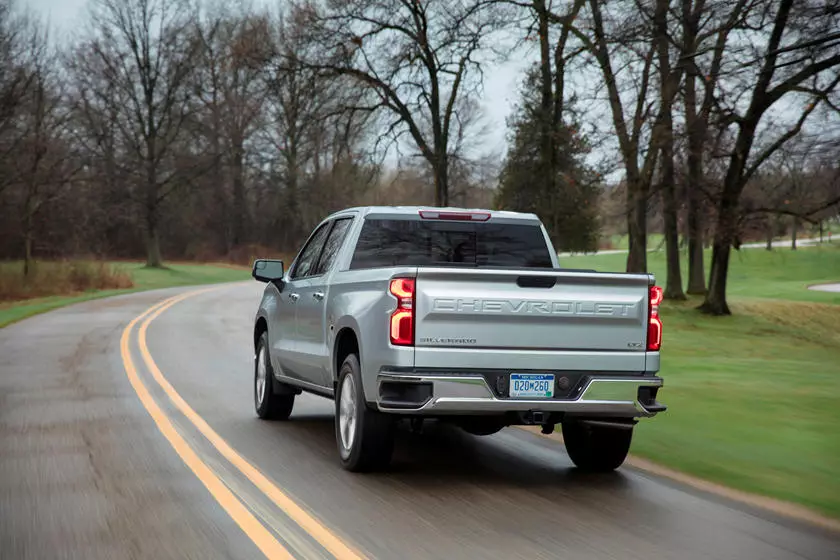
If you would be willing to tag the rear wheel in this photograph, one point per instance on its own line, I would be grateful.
(268, 402)
(365, 437)
(596, 448)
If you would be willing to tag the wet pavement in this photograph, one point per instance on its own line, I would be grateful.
(86, 473)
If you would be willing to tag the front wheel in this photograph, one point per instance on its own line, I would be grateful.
(365, 437)
(596, 448)
(269, 403)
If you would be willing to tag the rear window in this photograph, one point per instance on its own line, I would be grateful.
(385, 242)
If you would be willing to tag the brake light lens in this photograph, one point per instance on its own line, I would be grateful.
(402, 319)
(654, 335)
(458, 216)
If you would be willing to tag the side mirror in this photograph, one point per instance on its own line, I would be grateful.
(267, 270)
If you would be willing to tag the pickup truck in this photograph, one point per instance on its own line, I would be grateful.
(463, 316)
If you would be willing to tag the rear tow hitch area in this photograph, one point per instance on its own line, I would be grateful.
(546, 420)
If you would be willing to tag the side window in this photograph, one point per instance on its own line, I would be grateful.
(310, 252)
(332, 245)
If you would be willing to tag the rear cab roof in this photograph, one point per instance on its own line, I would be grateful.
(414, 212)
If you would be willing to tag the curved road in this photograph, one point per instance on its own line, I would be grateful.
(96, 462)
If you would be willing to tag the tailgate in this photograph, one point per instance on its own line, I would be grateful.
(510, 314)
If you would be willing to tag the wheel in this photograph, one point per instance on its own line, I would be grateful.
(365, 437)
(269, 404)
(596, 448)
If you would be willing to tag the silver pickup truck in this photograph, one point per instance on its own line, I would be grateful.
(464, 316)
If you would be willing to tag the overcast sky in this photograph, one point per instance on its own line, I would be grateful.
(500, 88)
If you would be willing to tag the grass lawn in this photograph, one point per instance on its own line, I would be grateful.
(753, 398)
(143, 279)
(757, 273)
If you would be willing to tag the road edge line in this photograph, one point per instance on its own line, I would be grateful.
(246, 521)
(306, 521)
(782, 508)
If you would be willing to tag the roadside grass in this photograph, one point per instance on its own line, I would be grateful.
(752, 398)
(66, 277)
(48, 289)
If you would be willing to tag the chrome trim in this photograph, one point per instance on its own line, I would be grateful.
(468, 394)
(306, 386)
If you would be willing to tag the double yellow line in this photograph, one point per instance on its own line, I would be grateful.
(243, 517)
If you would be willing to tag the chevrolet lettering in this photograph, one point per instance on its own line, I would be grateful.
(505, 306)
(408, 314)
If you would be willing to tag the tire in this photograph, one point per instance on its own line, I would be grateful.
(596, 448)
(269, 404)
(365, 437)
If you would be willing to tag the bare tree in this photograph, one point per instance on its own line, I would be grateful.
(706, 27)
(145, 51)
(669, 80)
(622, 45)
(43, 162)
(799, 58)
(417, 58)
(14, 83)
(798, 185)
(300, 99)
(235, 46)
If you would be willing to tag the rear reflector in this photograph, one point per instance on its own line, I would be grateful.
(459, 216)
(402, 319)
(654, 334)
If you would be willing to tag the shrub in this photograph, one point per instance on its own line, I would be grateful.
(48, 278)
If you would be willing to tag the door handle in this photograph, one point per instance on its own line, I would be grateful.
(319, 296)
(294, 297)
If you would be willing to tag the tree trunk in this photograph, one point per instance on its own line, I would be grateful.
(27, 249)
(293, 225)
(238, 195)
(771, 229)
(715, 302)
(696, 140)
(667, 90)
(673, 283)
(219, 215)
(546, 174)
(696, 265)
(441, 172)
(793, 232)
(28, 212)
(153, 258)
(636, 227)
(727, 224)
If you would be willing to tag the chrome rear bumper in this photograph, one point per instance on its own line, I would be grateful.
(470, 394)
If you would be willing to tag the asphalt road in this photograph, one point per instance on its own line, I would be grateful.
(86, 471)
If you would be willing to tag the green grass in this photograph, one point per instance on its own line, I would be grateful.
(143, 279)
(753, 397)
(623, 242)
(752, 400)
(757, 273)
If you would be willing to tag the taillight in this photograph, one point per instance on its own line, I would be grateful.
(458, 216)
(654, 335)
(402, 319)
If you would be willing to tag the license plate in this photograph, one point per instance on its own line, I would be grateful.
(532, 385)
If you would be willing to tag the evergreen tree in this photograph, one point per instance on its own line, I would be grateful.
(563, 192)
